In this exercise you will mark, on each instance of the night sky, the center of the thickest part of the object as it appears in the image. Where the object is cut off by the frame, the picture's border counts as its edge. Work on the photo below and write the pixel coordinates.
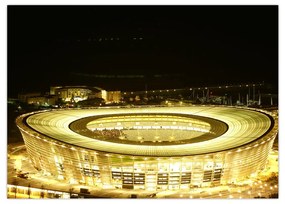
(134, 47)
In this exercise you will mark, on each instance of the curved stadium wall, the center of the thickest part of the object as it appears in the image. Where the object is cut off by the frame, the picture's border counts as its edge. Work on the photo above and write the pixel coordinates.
(67, 144)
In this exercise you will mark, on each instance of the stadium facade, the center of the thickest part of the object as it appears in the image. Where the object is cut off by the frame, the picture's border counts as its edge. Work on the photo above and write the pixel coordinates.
(152, 148)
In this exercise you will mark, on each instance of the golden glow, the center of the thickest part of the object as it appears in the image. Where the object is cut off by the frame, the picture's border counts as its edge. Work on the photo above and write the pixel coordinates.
(153, 163)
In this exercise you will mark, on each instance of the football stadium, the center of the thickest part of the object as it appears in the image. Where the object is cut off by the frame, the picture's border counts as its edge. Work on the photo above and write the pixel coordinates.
(151, 147)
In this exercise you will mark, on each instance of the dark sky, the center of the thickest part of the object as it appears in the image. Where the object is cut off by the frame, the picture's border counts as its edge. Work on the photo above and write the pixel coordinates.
(126, 47)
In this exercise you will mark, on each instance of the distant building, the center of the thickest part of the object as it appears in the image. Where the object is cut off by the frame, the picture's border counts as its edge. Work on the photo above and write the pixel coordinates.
(42, 100)
(70, 94)
(23, 97)
(112, 96)
(37, 98)
(80, 93)
(76, 93)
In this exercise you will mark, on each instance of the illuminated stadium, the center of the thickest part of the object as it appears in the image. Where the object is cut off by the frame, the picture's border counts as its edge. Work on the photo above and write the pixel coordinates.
(152, 148)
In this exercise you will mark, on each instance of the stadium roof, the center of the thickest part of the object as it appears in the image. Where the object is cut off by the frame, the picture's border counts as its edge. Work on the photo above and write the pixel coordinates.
(244, 127)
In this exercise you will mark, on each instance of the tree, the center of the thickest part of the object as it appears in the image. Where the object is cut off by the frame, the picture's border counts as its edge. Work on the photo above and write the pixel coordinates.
(91, 102)
(273, 195)
(273, 177)
(70, 192)
(15, 183)
(29, 190)
(42, 192)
